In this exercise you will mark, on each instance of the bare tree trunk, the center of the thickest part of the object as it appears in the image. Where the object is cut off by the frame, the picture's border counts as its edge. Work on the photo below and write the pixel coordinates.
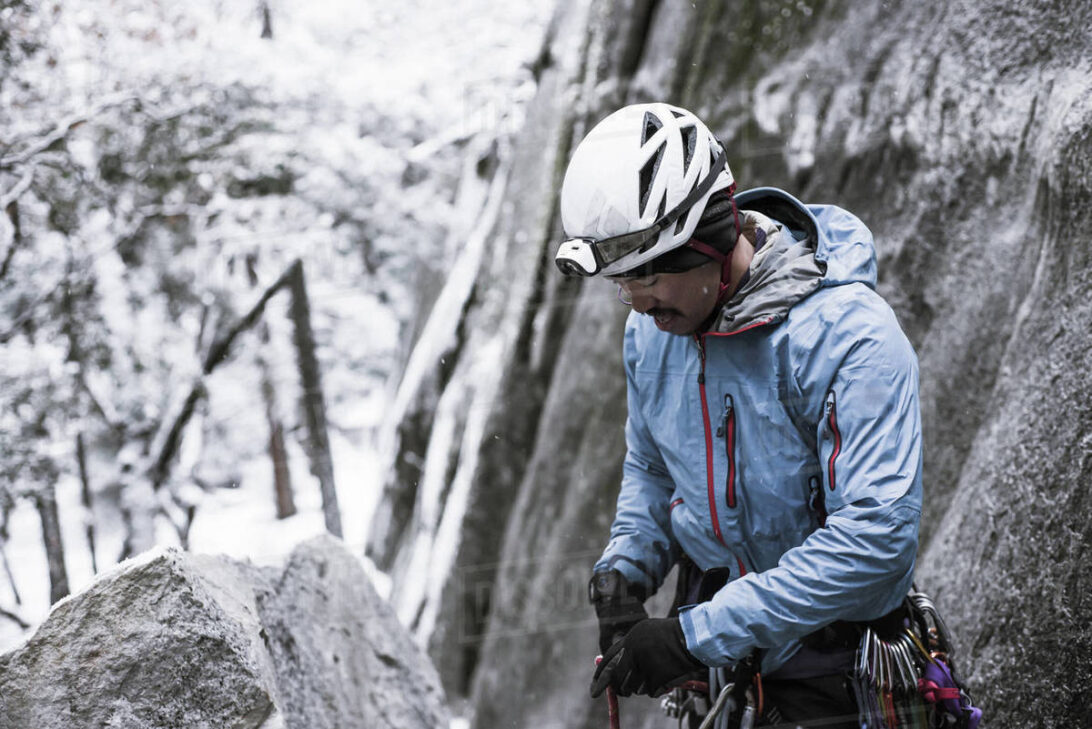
(282, 478)
(278, 454)
(85, 495)
(46, 501)
(7, 570)
(314, 406)
(189, 513)
(267, 19)
(139, 506)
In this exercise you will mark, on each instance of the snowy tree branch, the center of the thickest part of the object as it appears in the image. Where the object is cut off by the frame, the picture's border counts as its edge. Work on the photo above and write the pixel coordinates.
(100, 404)
(9, 217)
(221, 346)
(18, 189)
(59, 132)
(172, 437)
(23, 624)
(29, 309)
(27, 313)
(8, 238)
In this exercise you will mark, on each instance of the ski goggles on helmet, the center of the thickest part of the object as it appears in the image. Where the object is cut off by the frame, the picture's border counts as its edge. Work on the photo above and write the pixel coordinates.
(587, 256)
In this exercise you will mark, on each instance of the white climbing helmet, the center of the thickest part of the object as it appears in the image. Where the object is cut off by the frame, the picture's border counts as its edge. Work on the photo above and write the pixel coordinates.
(636, 187)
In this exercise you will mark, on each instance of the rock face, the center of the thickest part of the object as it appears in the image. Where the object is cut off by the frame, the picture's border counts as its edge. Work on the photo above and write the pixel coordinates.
(962, 135)
(175, 640)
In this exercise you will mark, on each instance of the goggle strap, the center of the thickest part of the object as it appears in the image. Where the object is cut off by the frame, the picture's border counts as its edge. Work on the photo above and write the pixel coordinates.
(706, 249)
(726, 262)
(735, 208)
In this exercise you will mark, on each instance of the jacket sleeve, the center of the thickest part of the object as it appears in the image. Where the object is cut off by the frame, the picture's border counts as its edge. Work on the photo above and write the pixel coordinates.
(641, 544)
(859, 565)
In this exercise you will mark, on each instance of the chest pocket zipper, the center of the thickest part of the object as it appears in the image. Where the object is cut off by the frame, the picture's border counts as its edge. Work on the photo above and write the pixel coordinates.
(727, 430)
(835, 435)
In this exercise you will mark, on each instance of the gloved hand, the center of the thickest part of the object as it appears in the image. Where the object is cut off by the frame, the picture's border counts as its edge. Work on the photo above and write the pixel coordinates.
(651, 659)
(618, 605)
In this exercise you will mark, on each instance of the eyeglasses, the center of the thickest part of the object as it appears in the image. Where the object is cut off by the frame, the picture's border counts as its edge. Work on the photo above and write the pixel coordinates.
(626, 286)
(587, 256)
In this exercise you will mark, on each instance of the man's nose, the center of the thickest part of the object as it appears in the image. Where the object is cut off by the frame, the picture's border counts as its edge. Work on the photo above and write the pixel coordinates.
(643, 301)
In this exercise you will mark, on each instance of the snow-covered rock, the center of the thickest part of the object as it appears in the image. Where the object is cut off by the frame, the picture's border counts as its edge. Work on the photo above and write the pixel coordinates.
(177, 640)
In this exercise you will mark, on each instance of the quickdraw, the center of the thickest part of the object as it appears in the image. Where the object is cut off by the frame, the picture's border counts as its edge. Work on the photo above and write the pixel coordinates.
(738, 703)
(885, 683)
(737, 706)
(908, 681)
(687, 701)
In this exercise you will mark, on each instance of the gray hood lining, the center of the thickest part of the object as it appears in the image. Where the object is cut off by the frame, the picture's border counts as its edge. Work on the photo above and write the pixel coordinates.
(782, 272)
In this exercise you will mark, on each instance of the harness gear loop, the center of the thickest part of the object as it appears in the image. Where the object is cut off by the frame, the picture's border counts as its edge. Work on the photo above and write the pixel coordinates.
(933, 693)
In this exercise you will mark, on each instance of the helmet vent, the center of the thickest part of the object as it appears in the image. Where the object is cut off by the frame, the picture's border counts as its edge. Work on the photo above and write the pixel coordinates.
(651, 126)
(648, 174)
(690, 145)
(677, 114)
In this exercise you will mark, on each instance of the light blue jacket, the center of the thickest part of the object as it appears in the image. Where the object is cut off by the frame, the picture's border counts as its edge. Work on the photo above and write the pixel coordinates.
(803, 395)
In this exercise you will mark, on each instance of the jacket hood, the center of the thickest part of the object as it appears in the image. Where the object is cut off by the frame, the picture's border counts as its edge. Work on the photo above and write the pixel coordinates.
(807, 247)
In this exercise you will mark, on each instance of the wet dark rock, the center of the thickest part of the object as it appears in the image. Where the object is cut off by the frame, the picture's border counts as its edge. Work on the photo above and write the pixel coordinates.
(962, 135)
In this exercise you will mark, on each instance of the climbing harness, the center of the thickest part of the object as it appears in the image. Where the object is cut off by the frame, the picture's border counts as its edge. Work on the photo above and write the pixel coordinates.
(737, 706)
(904, 677)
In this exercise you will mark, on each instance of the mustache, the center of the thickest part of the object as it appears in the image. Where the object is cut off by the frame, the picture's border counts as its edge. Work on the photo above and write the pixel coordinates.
(659, 312)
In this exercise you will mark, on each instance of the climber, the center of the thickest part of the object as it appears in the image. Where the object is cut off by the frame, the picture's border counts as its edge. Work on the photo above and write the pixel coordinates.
(773, 443)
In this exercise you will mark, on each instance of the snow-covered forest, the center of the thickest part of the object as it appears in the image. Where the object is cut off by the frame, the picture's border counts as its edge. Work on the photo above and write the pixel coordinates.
(222, 225)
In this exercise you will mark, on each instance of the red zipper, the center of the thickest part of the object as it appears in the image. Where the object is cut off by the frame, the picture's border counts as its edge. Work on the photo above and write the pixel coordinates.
(730, 447)
(833, 422)
(708, 445)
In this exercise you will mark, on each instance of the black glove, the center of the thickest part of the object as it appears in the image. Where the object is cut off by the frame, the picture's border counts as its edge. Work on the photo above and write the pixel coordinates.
(651, 659)
(618, 605)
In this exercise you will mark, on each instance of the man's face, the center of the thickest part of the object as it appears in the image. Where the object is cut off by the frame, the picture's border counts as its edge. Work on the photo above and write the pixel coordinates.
(678, 302)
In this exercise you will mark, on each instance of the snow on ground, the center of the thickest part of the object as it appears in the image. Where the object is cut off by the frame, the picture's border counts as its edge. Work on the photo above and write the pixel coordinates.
(441, 68)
